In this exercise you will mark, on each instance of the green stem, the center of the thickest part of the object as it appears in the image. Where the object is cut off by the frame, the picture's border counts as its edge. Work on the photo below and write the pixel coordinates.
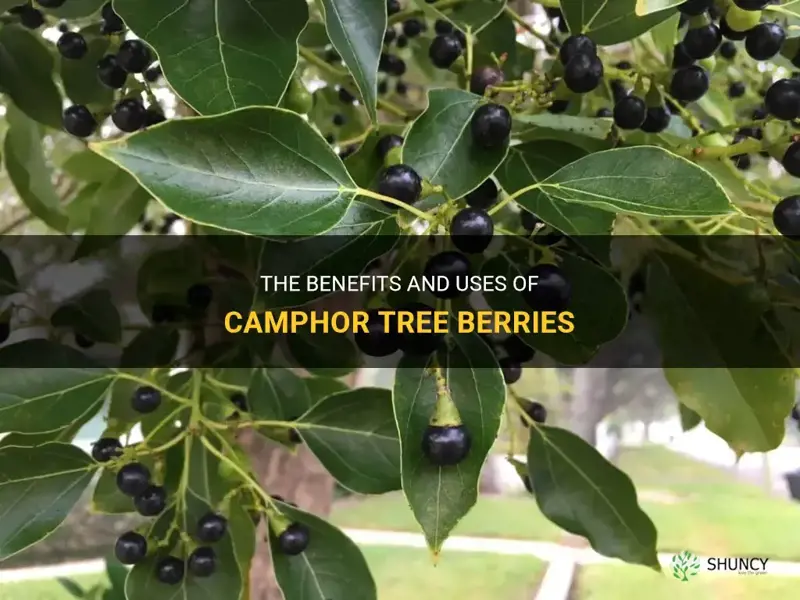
(499, 206)
(468, 68)
(225, 386)
(152, 384)
(514, 16)
(417, 12)
(390, 200)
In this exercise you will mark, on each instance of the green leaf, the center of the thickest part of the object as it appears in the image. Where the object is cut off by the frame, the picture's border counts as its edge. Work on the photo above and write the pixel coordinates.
(92, 315)
(36, 400)
(645, 180)
(261, 171)
(38, 488)
(76, 9)
(324, 354)
(581, 492)
(439, 145)
(89, 166)
(354, 436)
(473, 15)
(689, 418)
(441, 496)
(499, 37)
(693, 312)
(609, 21)
(364, 165)
(26, 75)
(220, 55)
(71, 587)
(598, 304)
(156, 346)
(590, 127)
(646, 7)
(320, 388)
(28, 170)
(79, 77)
(331, 567)
(277, 394)
(65, 434)
(356, 29)
(530, 163)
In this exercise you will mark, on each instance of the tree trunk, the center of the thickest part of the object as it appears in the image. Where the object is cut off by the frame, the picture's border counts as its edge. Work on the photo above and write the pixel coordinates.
(298, 478)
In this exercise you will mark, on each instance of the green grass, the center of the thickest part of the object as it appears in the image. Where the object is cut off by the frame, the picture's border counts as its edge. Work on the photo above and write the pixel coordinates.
(605, 582)
(400, 573)
(694, 506)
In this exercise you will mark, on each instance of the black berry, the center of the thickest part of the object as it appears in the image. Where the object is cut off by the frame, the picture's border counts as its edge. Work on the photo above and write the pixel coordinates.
(170, 570)
(680, 56)
(199, 296)
(130, 548)
(387, 143)
(413, 27)
(451, 265)
(393, 7)
(419, 344)
(483, 78)
(112, 23)
(536, 412)
(146, 399)
(445, 446)
(5, 331)
(345, 96)
(656, 120)
(786, 217)
(106, 449)
(728, 50)
(575, 45)
(151, 501)
(133, 479)
(511, 368)
(694, 8)
(72, 45)
(441, 26)
(552, 291)
(604, 113)
(689, 83)
(558, 107)
(202, 562)
(389, 36)
(751, 4)
(583, 73)
(742, 161)
(82, 341)
(211, 528)
(401, 88)
(134, 56)
(630, 112)
(736, 89)
(791, 159)
(483, 196)
(29, 17)
(393, 65)
(294, 539)
(491, 126)
(110, 73)
(764, 40)
(377, 341)
(529, 221)
(239, 400)
(471, 230)
(400, 182)
(701, 42)
(517, 349)
(79, 121)
(444, 50)
(783, 99)
(153, 74)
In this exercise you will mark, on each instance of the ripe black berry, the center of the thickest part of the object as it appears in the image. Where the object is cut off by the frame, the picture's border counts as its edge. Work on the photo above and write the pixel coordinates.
(511, 368)
(389, 36)
(783, 99)
(630, 112)
(529, 221)
(491, 126)
(134, 56)
(742, 161)
(736, 89)
(701, 42)
(536, 412)
(583, 73)
(400, 182)
(79, 121)
(211, 528)
(552, 291)
(558, 107)
(483, 78)
(5, 331)
(110, 73)
(517, 349)
(751, 4)
(146, 399)
(133, 479)
(728, 50)
(130, 548)
(575, 45)
(377, 341)
(294, 539)
(604, 113)
(393, 65)
(28, 16)
(387, 143)
(151, 501)
(153, 74)
(786, 217)
(656, 120)
(239, 400)
(393, 7)
(680, 56)
(345, 96)
(199, 296)
(413, 27)
(483, 196)
(471, 230)
(401, 88)
(791, 159)
(441, 26)
(72, 45)
(444, 50)
(689, 83)
(419, 344)
(106, 449)
(764, 40)
(170, 570)
(202, 562)
(451, 265)
(112, 23)
(445, 446)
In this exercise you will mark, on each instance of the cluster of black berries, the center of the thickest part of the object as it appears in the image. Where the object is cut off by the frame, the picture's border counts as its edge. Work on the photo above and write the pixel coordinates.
(583, 69)
(535, 411)
(447, 46)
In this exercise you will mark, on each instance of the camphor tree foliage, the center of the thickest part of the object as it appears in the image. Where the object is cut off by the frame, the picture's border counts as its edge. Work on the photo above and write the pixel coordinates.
(366, 126)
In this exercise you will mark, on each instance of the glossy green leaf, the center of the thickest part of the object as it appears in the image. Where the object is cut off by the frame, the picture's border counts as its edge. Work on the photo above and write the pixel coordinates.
(705, 321)
(331, 567)
(354, 436)
(260, 171)
(79, 77)
(646, 7)
(581, 492)
(588, 126)
(66, 434)
(356, 29)
(277, 394)
(609, 22)
(527, 164)
(644, 180)
(441, 496)
(689, 418)
(26, 75)
(154, 346)
(499, 37)
(38, 488)
(35, 400)
(365, 165)
(321, 387)
(327, 355)
(27, 169)
(598, 304)
(473, 15)
(89, 166)
(220, 55)
(439, 145)
(92, 315)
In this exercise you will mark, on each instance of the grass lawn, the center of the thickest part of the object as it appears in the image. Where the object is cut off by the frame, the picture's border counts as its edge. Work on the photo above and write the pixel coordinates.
(400, 573)
(694, 506)
(604, 582)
